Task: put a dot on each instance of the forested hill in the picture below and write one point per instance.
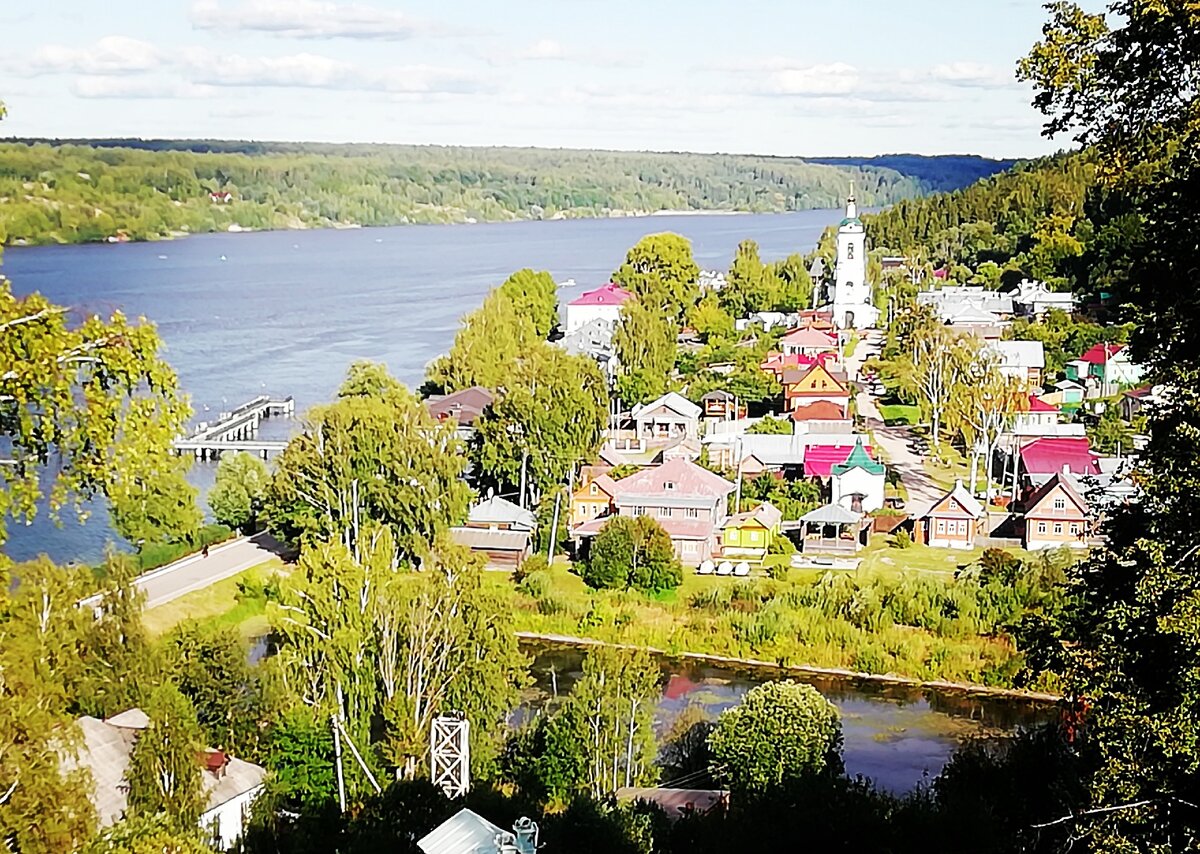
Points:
(1029, 221)
(87, 190)
(939, 173)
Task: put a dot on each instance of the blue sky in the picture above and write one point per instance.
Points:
(790, 77)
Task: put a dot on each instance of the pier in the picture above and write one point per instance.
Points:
(237, 430)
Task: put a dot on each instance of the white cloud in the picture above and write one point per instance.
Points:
(838, 78)
(305, 19)
(109, 55)
(100, 86)
(973, 75)
(543, 49)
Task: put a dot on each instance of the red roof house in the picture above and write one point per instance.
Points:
(821, 410)
(1036, 404)
(1098, 354)
(1053, 455)
(807, 341)
(602, 304)
(610, 294)
(819, 460)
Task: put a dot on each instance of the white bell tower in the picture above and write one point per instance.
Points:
(851, 304)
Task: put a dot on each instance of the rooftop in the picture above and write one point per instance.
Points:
(1019, 354)
(1098, 354)
(500, 511)
(463, 406)
(677, 477)
(610, 294)
(859, 458)
(1051, 455)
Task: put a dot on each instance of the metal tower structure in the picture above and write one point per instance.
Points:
(450, 754)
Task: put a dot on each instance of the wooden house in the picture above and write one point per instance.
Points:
(1056, 515)
(749, 535)
(954, 520)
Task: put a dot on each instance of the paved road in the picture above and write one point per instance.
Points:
(196, 572)
(896, 443)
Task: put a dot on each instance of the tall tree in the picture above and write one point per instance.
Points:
(548, 417)
(633, 552)
(490, 340)
(644, 343)
(152, 501)
(660, 269)
(533, 296)
(237, 496)
(368, 457)
(165, 763)
(1124, 83)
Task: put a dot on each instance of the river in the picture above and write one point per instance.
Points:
(286, 312)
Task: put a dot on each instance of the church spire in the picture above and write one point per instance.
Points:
(851, 206)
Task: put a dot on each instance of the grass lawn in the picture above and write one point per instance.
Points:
(908, 413)
(218, 604)
(947, 466)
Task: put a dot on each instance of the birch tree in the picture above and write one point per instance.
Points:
(991, 403)
(940, 361)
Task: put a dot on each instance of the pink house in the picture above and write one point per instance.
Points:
(601, 304)
(807, 342)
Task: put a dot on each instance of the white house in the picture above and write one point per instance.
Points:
(1022, 360)
(850, 302)
(858, 483)
(229, 785)
(671, 416)
(1033, 299)
(601, 304)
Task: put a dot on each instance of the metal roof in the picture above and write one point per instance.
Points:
(465, 832)
(832, 514)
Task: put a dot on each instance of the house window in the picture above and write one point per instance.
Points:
(693, 513)
(669, 485)
(755, 536)
(593, 489)
(941, 526)
(1060, 504)
(849, 251)
(1041, 527)
(1074, 529)
(1058, 528)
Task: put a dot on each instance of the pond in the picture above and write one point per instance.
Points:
(895, 735)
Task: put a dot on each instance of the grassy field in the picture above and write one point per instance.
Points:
(222, 604)
(908, 413)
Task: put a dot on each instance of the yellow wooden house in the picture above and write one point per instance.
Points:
(749, 535)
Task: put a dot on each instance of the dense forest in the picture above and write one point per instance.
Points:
(53, 191)
(941, 173)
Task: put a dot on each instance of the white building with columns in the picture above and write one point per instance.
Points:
(851, 298)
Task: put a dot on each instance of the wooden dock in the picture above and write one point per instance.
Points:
(237, 430)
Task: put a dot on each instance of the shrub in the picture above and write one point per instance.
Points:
(902, 540)
(534, 563)
(633, 552)
(536, 585)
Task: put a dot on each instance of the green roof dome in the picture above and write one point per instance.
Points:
(850, 220)
(859, 458)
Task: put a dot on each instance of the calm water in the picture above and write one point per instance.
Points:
(894, 735)
(287, 312)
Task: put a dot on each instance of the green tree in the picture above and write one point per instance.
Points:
(548, 417)
(236, 498)
(751, 285)
(633, 552)
(661, 271)
(152, 501)
(165, 765)
(709, 319)
(772, 426)
(534, 296)
(491, 338)
(365, 378)
(154, 835)
(644, 343)
(781, 732)
(795, 284)
(361, 458)
(1131, 646)
(615, 699)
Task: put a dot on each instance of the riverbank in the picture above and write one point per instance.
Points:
(965, 688)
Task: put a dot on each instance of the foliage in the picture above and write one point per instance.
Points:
(685, 754)
(903, 539)
(632, 552)
(95, 400)
(299, 752)
(491, 339)
(164, 765)
(1065, 337)
(1110, 433)
(366, 458)
(236, 498)
(793, 498)
(152, 835)
(548, 416)
(75, 191)
(772, 426)
(660, 270)
(535, 296)
(644, 343)
(753, 286)
(781, 731)
(154, 503)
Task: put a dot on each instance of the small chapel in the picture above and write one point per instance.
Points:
(851, 298)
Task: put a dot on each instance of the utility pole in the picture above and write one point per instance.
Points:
(554, 529)
(524, 461)
(737, 505)
(337, 761)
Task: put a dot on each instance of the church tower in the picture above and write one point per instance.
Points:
(851, 303)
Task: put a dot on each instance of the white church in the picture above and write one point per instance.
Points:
(850, 301)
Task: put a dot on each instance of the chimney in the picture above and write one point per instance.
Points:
(1066, 469)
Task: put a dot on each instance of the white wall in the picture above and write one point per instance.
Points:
(857, 480)
(229, 818)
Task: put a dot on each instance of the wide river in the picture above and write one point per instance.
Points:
(286, 312)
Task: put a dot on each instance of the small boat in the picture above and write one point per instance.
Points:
(223, 258)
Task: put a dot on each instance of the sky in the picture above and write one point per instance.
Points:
(782, 77)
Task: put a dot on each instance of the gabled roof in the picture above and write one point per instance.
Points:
(1019, 354)
(1140, 393)
(674, 401)
(819, 460)
(766, 514)
(465, 832)
(463, 406)
(832, 514)
(859, 458)
(686, 479)
(610, 294)
(1043, 492)
(718, 394)
(1036, 404)
(958, 498)
(819, 410)
(1098, 354)
(500, 511)
(809, 337)
(797, 375)
(1050, 455)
